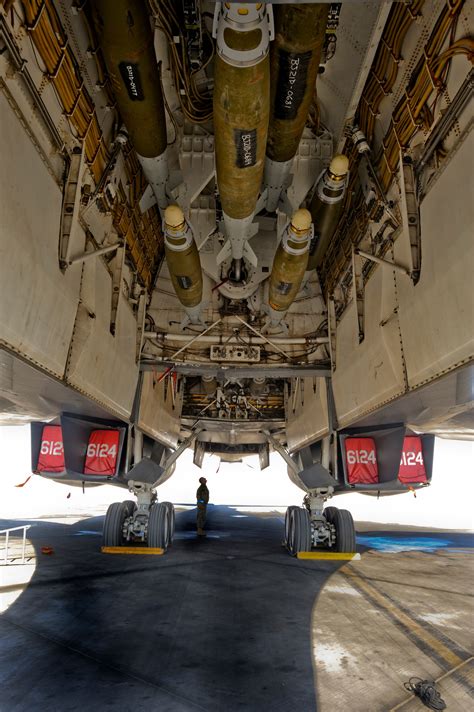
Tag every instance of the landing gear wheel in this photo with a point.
(171, 521)
(158, 526)
(287, 523)
(329, 513)
(112, 534)
(300, 531)
(130, 505)
(345, 530)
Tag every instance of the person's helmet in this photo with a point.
(202, 480)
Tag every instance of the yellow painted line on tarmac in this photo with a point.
(327, 556)
(422, 634)
(132, 550)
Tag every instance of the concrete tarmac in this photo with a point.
(232, 622)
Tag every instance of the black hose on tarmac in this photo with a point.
(427, 692)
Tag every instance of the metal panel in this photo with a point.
(369, 373)
(338, 86)
(100, 364)
(160, 409)
(38, 303)
(436, 315)
(309, 420)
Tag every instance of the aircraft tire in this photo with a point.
(114, 519)
(130, 505)
(158, 526)
(287, 523)
(329, 513)
(300, 531)
(304, 543)
(345, 529)
(171, 521)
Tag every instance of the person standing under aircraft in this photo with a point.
(202, 496)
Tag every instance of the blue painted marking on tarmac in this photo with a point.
(193, 535)
(395, 545)
(87, 532)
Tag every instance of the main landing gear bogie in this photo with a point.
(311, 526)
(147, 521)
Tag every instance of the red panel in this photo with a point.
(51, 456)
(361, 461)
(102, 452)
(412, 466)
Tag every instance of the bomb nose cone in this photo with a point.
(301, 220)
(339, 165)
(174, 216)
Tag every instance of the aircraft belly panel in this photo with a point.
(38, 303)
(103, 365)
(437, 315)
(369, 373)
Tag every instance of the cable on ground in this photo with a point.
(427, 692)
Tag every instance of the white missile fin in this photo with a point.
(224, 253)
(262, 201)
(147, 200)
(250, 255)
(285, 206)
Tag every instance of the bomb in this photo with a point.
(241, 112)
(294, 60)
(183, 261)
(289, 265)
(326, 207)
(126, 40)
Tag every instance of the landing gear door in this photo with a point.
(264, 455)
(199, 452)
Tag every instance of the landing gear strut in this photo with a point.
(147, 521)
(312, 526)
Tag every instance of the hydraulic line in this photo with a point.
(196, 102)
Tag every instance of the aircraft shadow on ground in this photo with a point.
(221, 623)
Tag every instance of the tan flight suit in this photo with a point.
(202, 496)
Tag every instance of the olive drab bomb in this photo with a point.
(241, 113)
(183, 261)
(126, 40)
(289, 265)
(327, 205)
(300, 30)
